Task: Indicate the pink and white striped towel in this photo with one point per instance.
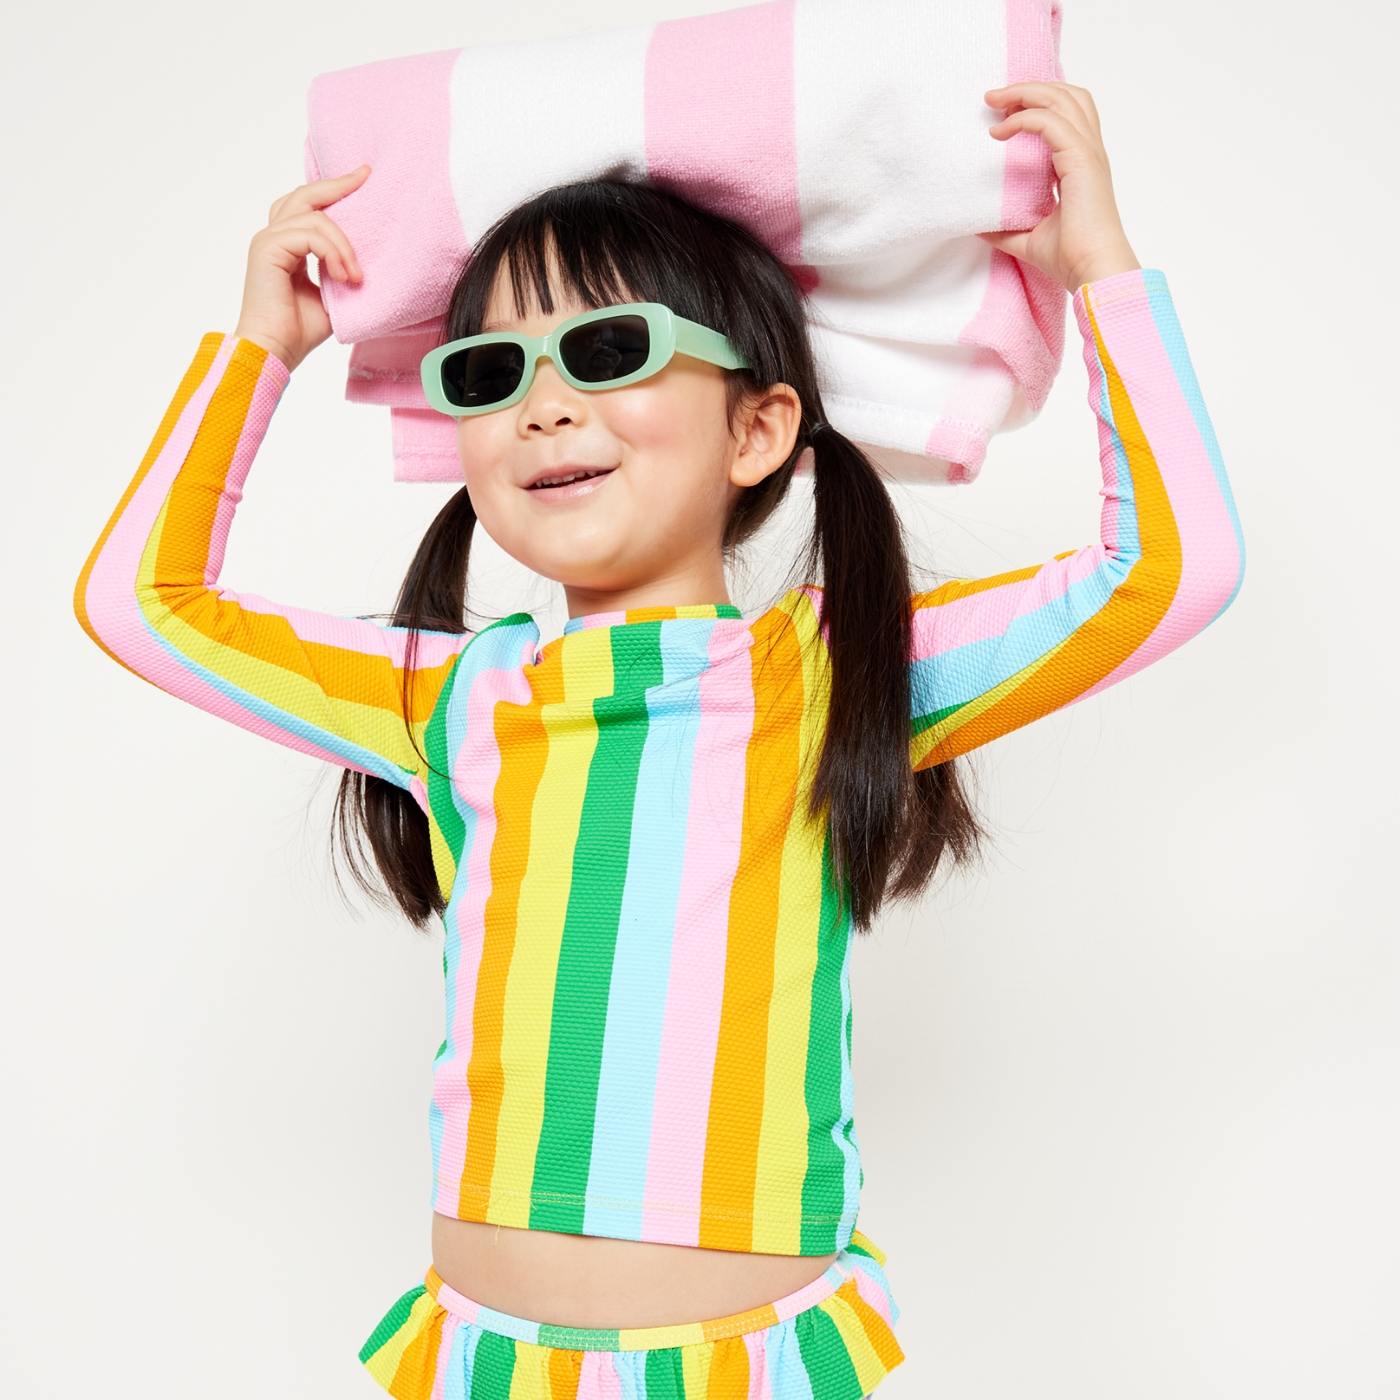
(850, 135)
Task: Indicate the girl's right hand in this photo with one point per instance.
(282, 308)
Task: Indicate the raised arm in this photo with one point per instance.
(993, 654)
(149, 594)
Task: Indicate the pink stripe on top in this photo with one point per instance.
(699, 947)
(989, 612)
(721, 118)
(1210, 560)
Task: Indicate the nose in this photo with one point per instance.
(552, 404)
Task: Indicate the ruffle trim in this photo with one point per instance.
(833, 1340)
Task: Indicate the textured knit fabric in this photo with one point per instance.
(832, 1340)
(647, 993)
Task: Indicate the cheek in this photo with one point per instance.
(482, 448)
(671, 417)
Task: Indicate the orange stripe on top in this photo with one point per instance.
(1123, 624)
(183, 551)
(194, 377)
(193, 503)
(770, 785)
(524, 748)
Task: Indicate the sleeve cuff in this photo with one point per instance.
(267, 365)
(1110, 296)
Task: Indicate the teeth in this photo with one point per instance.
(565, 480)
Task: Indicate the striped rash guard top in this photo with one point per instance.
(647, 976)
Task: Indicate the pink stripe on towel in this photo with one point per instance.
(1032, 52)
(721, 119)
(395, 117)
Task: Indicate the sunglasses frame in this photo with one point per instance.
(670, 335)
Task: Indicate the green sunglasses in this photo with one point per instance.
(606, 349)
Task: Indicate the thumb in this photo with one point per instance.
(1013, 241)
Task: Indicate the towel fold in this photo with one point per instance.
(850, 135)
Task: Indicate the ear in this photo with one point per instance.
(765, 430)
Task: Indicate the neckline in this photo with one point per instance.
(698, 611)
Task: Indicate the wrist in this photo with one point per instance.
(271, 344)
(1107, 262)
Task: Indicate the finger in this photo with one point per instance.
(328, 229)
(325, 228)
(1059, 131)
(319, 194)
(291, 243)
(1085, 99)
(1056, 97)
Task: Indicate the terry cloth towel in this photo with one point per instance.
(850, 135)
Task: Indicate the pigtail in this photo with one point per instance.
(889, 826)
(372, 810)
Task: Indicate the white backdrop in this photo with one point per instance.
(1128, 1098)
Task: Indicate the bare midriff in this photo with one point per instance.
(585, 1281)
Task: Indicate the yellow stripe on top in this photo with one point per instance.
(782, 1141)
(572, 733)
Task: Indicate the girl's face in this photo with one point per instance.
(620, 491)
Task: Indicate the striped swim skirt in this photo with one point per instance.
(832, 1340)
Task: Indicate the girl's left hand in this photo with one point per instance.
(1082, 238)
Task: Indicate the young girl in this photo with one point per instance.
(650, 841)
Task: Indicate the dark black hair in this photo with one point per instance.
(605, 242)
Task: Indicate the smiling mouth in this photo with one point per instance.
(547, 483)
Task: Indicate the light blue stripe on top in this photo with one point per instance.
(1174, 342)
(962, 674)
(642, 957)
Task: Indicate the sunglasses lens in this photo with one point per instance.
(483, 374)
(602, 350)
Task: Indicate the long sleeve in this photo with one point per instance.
(149, 594)
(993, 654)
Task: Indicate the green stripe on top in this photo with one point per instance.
(823, 1187)
(445, 813)
(584, 973)
(392, 1321)
(922, 722)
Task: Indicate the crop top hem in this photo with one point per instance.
(650, 1222)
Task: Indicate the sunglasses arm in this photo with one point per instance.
(701, 343)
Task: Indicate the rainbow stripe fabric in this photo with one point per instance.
(647, 980)
(833, 1339)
